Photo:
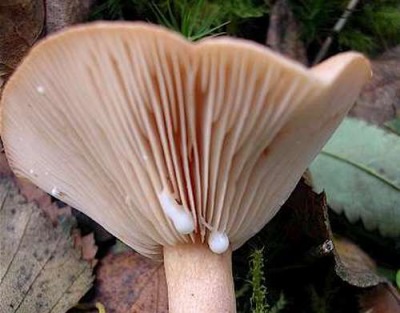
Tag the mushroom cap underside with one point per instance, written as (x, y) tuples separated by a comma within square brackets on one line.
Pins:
[(145, 132)]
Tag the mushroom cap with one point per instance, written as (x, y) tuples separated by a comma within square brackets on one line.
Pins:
[(146, 133)]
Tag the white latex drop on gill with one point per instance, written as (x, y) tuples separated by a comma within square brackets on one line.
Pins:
[(180, 216), (218, 242)]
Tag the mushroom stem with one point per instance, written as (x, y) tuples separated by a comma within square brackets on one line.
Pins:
[(199, 280)]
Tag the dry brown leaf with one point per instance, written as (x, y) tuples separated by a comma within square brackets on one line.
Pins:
[(283, 32), (86, 246), (380, 100), (61, 13), (381, 299), (40, 270), (34, 194), (353, 257), (354, 265), (304, 221), (24, 21), (43, 200), (130, 283), (21, 23)]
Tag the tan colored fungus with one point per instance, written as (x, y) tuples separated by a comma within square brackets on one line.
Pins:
[(172, 144)]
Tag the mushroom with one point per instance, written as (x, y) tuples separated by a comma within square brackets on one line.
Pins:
[(181, 150)]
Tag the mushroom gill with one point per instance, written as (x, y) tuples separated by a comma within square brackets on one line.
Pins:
[(166, 143)]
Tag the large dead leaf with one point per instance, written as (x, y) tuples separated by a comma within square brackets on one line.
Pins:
[(311, 223), (33, 194), (56, 211), (21, 23), (380, 100), (305, 224), (24, 21), (130, 283), (40, 270), (300, 253), (355, 266)]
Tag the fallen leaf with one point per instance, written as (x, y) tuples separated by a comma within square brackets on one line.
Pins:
[(353, 256), (299, 233), (130, 283), (33, 194), (381, 299), (310, 210), (21, 23), (40, 270), (380, 100), (61, 13), (358, 169), (24, 21), (300, 254), (355, 266), (283, 32), (86, 245)]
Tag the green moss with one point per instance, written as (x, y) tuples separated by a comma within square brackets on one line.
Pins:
[(373, 26), (316, 17), (356, 40), (195, 19), (381, 21), (258, 299)]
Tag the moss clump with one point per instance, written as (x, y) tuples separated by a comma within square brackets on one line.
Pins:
[(195, 19), (373, 26), (258, 299)]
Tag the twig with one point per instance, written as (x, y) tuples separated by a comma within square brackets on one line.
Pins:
[(336, 29)]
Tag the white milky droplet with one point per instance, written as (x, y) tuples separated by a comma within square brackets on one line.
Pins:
[(180, 216), (46, 173), (183, 222), (218, 242), (55, 192), (40, 89), (145, 157), (31, 171)]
